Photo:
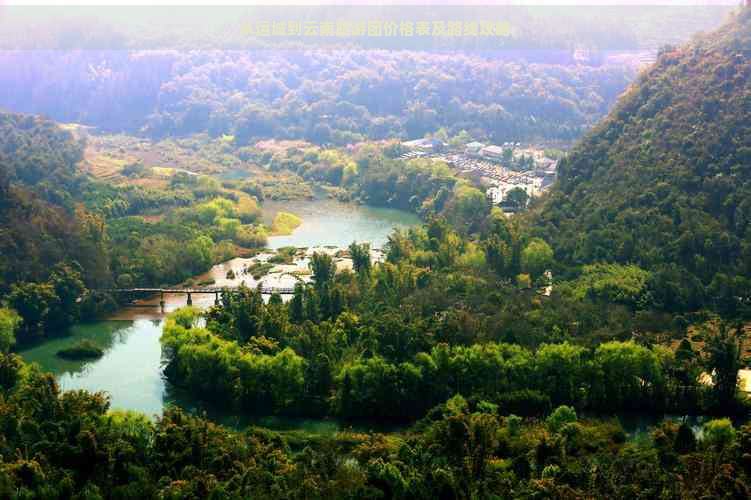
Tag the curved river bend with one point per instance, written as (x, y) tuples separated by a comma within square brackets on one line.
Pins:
[(131, 368)]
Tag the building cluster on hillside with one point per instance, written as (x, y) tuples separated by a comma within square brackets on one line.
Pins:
[(504, 167), (531, 185)]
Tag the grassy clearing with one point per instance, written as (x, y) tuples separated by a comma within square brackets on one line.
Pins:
[(104, 166), (284, 224)]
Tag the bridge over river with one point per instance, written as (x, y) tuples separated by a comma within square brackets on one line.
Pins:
[(216, 291)]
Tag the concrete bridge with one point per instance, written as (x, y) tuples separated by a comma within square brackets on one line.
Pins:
[(216, 291)]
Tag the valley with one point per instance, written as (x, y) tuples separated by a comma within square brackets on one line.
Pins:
[(496, 271)]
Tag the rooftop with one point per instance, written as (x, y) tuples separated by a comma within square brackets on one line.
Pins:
[(493, 150)]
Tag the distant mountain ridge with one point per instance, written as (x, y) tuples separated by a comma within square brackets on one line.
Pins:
[(665, 180)]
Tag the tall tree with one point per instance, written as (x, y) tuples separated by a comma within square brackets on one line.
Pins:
[(9, 321), (32, 302), (723, 355), (360, 255), (323, 268), (297, 305), (536, 258)]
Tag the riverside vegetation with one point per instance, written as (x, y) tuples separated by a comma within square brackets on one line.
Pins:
[(504, 344)]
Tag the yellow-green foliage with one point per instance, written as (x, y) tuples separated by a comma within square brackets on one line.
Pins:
[(9, 321), (436, 168), (129, 424), (623, 284), (213, 366), (284, 223), (162, 171), (247, 208), (227, 228), (335, 158), (472, 257), (252, 236), (207, 213), (718, 432)]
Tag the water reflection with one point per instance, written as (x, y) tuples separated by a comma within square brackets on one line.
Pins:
[(105, 334), (131, 373), (329, 222), (639, 425), (130, 370), (326, 223)]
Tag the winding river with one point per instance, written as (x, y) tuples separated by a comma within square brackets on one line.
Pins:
[(130, 370)]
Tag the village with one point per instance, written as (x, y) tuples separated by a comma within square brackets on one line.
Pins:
[(505, 170)]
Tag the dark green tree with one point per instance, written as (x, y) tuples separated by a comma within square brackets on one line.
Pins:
[(312, 307), (297, 305), (723, 360), (323, 268), (32, 302), (517, 198), (360, 255), (69, 289)]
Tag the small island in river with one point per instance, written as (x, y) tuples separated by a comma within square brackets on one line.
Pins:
[(85, 349)]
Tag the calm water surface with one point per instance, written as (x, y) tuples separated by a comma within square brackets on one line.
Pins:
[(329, 222), (130, 372), (131, 369)]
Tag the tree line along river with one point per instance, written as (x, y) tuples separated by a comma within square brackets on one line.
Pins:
[(131, 368)]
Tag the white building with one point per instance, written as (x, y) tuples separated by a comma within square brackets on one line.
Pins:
[(530, 185), (495, 195), (492, 152), (474, 148), (425, 145)]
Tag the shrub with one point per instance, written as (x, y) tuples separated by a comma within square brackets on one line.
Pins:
[(526, 402), (284, 223), (718, 433), (514, 424), (561, 416), (85, 349)]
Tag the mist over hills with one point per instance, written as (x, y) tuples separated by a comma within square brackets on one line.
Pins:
[(166, 72)]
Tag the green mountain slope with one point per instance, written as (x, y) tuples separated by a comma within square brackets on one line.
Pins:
[(40, 224), (665, 180)]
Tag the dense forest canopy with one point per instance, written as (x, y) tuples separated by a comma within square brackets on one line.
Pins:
[(335, 97), (501, 344), (665, 180), (40, 222), (79, 449)]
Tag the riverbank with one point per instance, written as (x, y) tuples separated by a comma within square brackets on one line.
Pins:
[(280, 270), (130, 370)]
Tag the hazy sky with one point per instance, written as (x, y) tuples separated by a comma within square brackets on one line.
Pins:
[(371, 2)]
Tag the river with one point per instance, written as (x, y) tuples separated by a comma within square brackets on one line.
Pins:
[(328, 222), (130, 370)]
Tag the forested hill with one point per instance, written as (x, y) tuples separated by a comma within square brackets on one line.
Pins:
[(665, 180), (40, 224), (339, 97), (33, 149)]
